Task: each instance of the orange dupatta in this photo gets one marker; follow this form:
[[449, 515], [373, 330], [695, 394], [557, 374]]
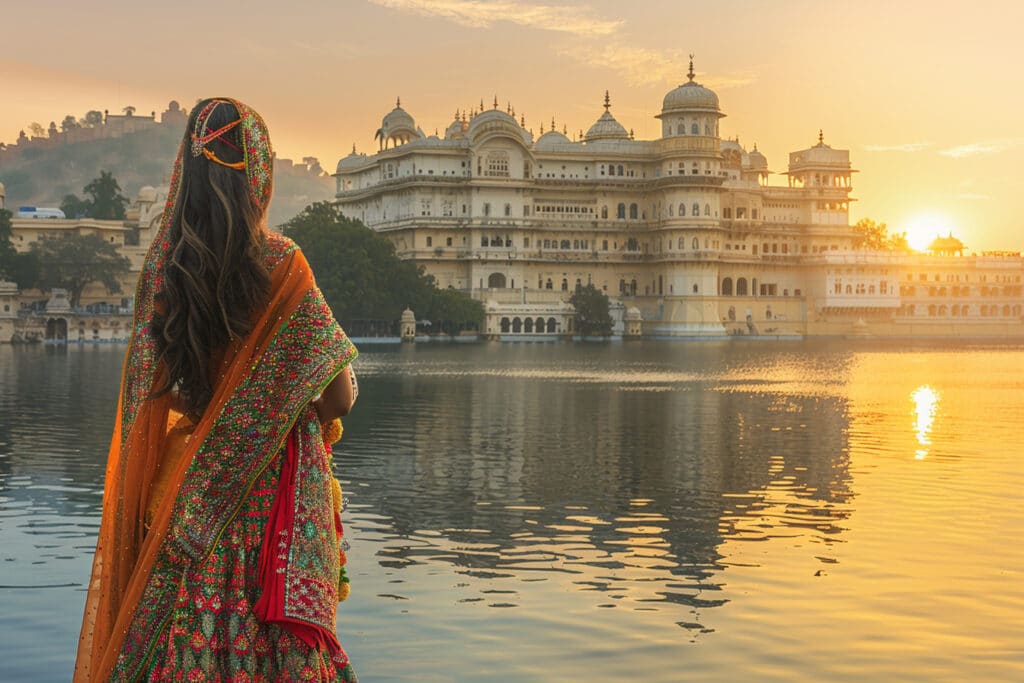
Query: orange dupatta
[[264, 387]]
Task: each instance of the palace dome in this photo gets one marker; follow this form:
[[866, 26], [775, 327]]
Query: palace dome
[[397, 119], [690, 96], [495, 122], [606, 128], [551, 140], [353, 160], [457, 128], [757, 160], [147, 193]]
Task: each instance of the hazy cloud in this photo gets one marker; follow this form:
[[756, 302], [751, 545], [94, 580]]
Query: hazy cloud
[[481, 14], [646, 66], [978, 148], [904, 147], [638, 65]]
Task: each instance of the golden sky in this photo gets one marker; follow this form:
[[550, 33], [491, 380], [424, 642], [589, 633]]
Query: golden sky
[[926, 95]]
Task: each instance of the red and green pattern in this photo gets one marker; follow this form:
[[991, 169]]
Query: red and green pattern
[[212, 627], [306, 353]]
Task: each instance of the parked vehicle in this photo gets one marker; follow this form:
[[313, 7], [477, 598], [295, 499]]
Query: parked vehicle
[[39, 212]]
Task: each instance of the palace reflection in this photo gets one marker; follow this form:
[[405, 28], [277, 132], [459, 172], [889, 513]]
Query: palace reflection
[[640, 472]]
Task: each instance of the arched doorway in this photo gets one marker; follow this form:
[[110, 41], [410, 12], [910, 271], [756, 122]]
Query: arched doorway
[[741, 286], [57, 329], [496, 280], [727, 286]]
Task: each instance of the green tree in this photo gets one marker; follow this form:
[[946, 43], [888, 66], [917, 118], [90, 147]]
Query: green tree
[[362, 277], [92, 118], [73, 207], [74, 261], [104, 198], [874, 236], [69, 123], [593, 318], [22, 269]]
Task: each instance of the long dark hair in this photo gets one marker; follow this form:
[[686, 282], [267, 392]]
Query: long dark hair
[[214, 277]]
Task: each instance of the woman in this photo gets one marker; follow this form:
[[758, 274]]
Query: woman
[[218, 556]]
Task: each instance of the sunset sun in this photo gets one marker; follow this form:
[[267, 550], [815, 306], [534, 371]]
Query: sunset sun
[[925, 227]]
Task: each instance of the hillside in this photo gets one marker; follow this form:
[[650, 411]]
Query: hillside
[[41, 176]]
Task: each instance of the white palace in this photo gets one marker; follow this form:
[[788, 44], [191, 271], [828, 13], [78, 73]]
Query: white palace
[[684, 233]]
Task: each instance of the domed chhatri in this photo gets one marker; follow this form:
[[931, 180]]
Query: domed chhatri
[[606, 127], [757, 160], [397, 128], [689, 97]]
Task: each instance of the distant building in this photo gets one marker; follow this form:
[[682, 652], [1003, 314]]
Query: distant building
[[110, 126], [685, 229]]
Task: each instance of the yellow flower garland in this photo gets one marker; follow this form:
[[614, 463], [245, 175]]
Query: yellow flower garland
[[332, 432]]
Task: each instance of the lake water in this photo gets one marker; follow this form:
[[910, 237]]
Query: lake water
[[721, 511]]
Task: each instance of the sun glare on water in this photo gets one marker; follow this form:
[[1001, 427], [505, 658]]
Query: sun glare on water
[[924, 228]]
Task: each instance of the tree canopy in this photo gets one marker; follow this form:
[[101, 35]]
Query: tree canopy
[[875, 237], [363, 279], [593, 317], [22, 269], [103, 200], [74, 261]]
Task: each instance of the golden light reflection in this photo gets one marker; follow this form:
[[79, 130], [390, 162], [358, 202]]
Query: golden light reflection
[[926, 401]]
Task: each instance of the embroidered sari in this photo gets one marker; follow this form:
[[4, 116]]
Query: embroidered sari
[[178, 570]]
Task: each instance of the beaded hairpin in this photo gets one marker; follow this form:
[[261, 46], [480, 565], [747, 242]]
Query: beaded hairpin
[[201, 138]]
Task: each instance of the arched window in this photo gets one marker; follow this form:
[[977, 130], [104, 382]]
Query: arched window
[[632, 244], [741, 286], [579, 285], [707, 209], [505, 324], [496, 281], [727, 287], [604, 212], [707, 129], [564, 244], [681, 129], [682, 210], [633, 210], [681, 245], [695, 244], [548, 284], [696, 209], [622, 210], [565, 285], [696, 289], [694, 129], [539, 325], [517, 325], [552, 324], [620, 169], [671, 210], [849, 289], [528, 325], [632, 287]]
